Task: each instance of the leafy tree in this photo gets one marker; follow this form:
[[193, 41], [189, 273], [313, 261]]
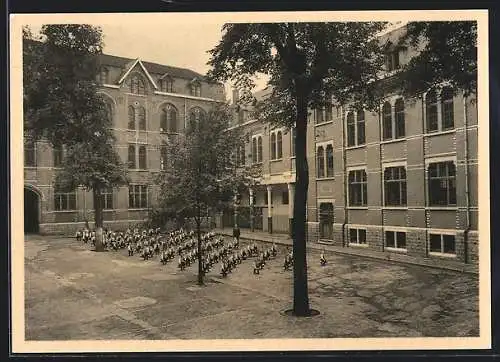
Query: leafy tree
[[448, 53], [201, 171], [309, 64], [62, 105]]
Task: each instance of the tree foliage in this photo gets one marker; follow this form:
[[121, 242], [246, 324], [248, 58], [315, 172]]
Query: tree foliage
[[448, 53]]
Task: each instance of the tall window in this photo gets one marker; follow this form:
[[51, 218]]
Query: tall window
[[392, 60], [107, 198], [431, 111], [399, 118], [109, 112], [319, 115], [196, 89], [29, 153], [447, 108], [64, 200], [279, 145], [395, 239], [142, 158], [195, 116], [254, 149], [104, 75], [259, 149], [320, 156], [387, 121], [141, 118], [442, 184], [57, 152], [131, 117], [131, 157], [163, 157], [442, 243], [167, 85], [360, 127], [137, 85], [351, 129], [168, 120], [293, 136], [273, 146], [242, 155], [357, 188], [329, 160], [395, 186], [138, 196]]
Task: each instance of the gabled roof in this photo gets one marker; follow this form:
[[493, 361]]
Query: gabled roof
[[130, 67]]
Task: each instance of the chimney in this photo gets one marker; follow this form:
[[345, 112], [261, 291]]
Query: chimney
[[236, 96]]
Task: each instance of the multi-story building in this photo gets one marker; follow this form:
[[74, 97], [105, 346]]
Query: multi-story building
[[401, 179], [148, 103]]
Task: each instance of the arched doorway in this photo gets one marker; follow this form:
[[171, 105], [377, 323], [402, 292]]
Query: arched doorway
[[31, 211]]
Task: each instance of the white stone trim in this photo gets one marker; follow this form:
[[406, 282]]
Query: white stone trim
[[145, 72]]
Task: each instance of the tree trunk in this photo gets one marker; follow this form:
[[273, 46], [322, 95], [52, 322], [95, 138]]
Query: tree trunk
[[300, 290], [98, 219], [200, 256]]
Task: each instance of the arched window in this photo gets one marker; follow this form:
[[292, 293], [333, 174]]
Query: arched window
[[329, 161], [259, 149], [137, 85], [168, 121], [360, 127], [254, 150], [447, 108], [431, 111], [273, 146], [142, 158], [167, 84], [141, 118], [131, 157], [387, 121], [279, 145], [320, 157], [351, 129], [399, 117], [104, 75], [195, 89], [131, 117]]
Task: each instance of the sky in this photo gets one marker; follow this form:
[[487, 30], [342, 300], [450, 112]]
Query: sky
[[170, 39]]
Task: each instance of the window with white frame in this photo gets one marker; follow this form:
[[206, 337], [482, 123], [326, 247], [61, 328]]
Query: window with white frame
[[435, 120], [357, 236], [442, 243], [195, 89], [395, 186], [393, 127], [355, 128], [323, 114], [387, 121], [107, 198], [324, 160], [442, 187], [395, 239], [64, 200], [276, 140], [293, 136], [167, 84], [138, 196], [357, 187], [399, 118], [256, 149], [136, 115], [143, 163], [137, 85]]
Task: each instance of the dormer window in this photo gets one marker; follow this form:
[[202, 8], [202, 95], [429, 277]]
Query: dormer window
[[195, 89], [167, 84], [137, 85], [104, 75]]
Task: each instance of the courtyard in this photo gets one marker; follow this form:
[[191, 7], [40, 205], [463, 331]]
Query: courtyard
[[74, 293]]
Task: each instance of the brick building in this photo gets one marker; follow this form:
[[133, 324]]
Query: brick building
[[148, 103], [403, 179]]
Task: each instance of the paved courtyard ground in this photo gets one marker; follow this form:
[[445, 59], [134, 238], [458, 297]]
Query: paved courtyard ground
[[73, 293]]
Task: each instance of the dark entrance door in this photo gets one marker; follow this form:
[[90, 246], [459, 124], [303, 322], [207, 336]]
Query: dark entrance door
[[326, 221], [31, 206]]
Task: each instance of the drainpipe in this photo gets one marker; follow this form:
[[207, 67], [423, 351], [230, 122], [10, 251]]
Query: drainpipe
[[345, 176], [382, 192], [467, 194], [425, 174]]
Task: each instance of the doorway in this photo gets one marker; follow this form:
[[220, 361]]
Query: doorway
[[31, 211]]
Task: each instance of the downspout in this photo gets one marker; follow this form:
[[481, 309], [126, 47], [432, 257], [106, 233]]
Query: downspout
[[425, 175], [344, 166], [467, 194], [382, 192]]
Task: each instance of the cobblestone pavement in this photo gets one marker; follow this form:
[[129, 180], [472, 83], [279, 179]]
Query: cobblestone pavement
[[73, 293]]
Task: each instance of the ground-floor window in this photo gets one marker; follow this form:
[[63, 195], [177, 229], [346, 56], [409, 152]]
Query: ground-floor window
[[442, 243], [357, 236], [138, 196], [107, 198], [64, 201], [395, 239]]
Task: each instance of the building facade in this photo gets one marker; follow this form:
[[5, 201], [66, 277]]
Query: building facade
[[401, 179], [148, 103]]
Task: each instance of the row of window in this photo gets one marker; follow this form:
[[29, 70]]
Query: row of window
[[438, 243], [441, 181], [137, 84], [168, 118], [137, 198]]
